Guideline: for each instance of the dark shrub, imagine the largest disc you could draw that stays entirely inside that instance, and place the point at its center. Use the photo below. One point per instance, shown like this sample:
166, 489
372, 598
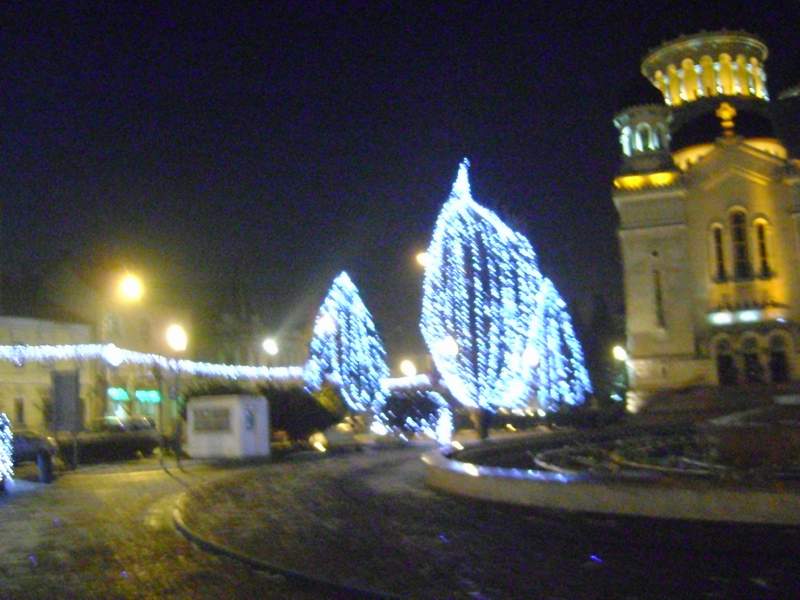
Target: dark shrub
217, 388
297, 412
416, 405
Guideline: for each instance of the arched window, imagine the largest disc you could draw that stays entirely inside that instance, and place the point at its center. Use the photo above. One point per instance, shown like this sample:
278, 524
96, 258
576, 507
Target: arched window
742, 269
644, 137
778, 363
764, 269
727, 373
662, 135
625, 140
753, 370
718, 254
655, 143
638, 140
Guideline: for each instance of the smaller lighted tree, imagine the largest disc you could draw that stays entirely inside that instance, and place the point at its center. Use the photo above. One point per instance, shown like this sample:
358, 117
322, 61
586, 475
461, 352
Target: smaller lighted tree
6, 449
346, 350
561, 375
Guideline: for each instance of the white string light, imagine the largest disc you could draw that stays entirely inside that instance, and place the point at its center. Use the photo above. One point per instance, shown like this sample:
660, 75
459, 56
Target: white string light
496, 329
6, 448
114, 357
561, 375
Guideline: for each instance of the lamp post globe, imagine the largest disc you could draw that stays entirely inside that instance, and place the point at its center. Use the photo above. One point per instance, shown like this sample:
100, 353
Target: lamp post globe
177, 338
408, 368
130, 288
270, 346
619, 353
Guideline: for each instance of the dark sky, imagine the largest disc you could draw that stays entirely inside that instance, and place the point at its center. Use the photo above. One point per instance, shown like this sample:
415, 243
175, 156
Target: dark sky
287, 142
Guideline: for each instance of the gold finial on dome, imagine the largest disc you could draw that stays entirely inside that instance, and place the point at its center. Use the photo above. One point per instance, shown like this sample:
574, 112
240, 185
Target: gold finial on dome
726, 114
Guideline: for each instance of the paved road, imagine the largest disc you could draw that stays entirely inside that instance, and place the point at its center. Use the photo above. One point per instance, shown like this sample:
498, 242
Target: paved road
369, 520
107, 533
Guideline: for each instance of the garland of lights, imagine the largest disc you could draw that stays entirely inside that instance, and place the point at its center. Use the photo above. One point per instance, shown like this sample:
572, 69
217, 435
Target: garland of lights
114, 356
6, 449
561, 377
478, 303
346, 350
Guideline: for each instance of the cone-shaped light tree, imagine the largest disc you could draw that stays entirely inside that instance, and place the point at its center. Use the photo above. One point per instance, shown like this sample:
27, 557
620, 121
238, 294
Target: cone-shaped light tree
561, 375
489, 317
346, 350
478, 303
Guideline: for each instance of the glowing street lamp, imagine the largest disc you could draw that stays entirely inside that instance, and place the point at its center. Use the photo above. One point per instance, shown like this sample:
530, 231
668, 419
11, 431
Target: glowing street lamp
423, 259
408, 368
177, 338
621, 379
270, 346
619, 353
130, 288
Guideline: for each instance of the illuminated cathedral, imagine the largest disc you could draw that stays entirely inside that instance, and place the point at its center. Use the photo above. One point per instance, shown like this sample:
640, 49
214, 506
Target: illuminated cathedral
708, 195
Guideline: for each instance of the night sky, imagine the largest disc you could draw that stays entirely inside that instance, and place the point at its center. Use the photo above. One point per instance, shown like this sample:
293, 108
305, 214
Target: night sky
279, 145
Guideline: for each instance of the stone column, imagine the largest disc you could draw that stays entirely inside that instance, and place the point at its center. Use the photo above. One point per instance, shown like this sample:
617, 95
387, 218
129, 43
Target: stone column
674, 85
689, 80
741, 72
725, 74
708, 80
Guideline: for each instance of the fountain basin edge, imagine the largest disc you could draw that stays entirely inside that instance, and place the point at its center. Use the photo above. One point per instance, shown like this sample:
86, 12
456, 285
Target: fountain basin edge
629, 494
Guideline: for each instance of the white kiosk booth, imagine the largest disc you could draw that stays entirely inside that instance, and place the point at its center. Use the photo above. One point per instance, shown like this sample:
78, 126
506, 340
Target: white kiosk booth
231, 426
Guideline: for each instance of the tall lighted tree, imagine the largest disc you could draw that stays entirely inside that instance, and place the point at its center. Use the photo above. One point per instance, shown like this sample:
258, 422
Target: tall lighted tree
561, 375
478, 303
346, 349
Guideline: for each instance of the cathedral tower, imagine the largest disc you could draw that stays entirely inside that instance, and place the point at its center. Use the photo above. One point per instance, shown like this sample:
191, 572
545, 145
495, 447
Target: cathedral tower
709, 205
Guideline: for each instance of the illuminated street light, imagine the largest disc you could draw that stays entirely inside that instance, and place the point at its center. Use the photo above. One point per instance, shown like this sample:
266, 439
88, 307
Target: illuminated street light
130, 288
408, 368
177, 338
619, 353
423, 259
270, 346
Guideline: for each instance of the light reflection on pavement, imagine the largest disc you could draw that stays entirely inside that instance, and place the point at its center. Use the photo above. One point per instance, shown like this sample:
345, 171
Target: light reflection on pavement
107, 533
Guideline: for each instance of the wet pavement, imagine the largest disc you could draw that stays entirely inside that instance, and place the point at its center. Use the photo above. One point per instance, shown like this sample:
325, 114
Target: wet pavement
106, 532
365, 519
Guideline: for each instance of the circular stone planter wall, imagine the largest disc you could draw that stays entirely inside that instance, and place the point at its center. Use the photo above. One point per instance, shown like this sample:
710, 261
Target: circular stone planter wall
629, 493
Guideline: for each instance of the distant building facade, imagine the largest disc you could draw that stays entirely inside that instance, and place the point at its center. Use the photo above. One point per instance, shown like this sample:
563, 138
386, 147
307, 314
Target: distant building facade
708, 197
26, 389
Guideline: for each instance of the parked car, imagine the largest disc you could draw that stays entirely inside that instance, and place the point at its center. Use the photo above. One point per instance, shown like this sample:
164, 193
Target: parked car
30, 446
111, 438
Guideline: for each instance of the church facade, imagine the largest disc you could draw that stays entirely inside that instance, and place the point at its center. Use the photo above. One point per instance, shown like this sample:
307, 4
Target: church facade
708, 196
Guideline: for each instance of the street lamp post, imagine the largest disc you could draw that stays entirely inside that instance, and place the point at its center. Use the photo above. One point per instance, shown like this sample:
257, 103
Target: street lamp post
621, 382
130, 288
177, 340
408, 368
127, 289
270, 347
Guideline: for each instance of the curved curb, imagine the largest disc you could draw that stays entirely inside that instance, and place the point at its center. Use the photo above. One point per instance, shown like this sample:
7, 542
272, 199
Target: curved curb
334, 589
637, 495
